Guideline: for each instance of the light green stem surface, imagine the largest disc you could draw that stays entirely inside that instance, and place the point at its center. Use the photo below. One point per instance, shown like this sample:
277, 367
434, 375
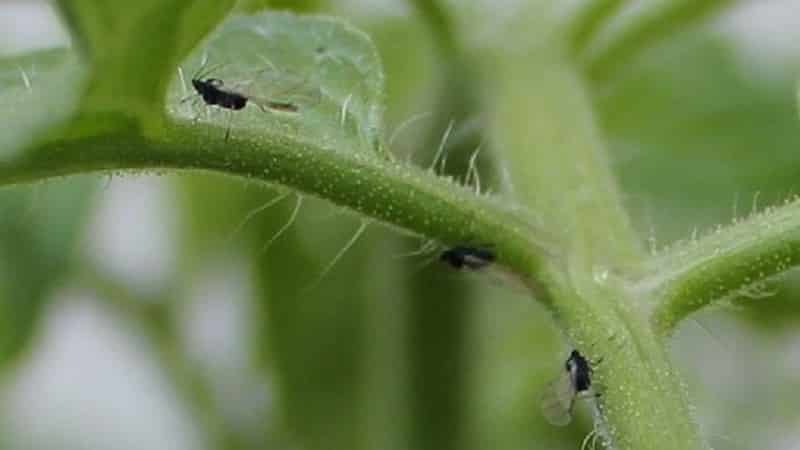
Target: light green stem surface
543, 122
724, 264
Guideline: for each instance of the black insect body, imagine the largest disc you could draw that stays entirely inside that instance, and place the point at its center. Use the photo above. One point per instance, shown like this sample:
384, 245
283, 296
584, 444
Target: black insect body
466, 257
576, 380
214, 94
580, 372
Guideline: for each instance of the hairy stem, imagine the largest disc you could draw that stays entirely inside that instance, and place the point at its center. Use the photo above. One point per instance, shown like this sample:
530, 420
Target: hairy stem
723, 264
543, 122
391, 192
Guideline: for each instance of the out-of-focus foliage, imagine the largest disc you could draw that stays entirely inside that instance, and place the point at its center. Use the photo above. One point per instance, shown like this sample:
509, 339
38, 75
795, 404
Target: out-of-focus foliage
40, 227
701, 139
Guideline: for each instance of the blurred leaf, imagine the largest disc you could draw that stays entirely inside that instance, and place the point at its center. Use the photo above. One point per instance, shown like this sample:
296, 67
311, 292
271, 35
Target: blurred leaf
689, 112
439, 316
133, 48
293, 5
37, 92
314, 335
697, 140
39, 228
119, 82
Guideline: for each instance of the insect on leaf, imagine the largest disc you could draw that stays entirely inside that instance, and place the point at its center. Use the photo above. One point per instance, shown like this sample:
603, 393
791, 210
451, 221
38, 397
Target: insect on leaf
324, 72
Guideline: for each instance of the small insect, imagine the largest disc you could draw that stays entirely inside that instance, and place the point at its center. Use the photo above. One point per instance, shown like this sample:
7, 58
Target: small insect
559, 397
467, 257
214, 92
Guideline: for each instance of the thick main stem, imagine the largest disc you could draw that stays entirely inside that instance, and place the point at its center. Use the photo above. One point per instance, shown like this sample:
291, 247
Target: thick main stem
542, 119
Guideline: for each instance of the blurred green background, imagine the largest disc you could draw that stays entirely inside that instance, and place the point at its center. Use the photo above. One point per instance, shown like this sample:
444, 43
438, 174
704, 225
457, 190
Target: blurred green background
135, 313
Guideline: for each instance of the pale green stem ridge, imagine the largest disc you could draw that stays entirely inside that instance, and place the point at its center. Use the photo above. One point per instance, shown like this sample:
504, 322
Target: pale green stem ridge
729, 262
647, 27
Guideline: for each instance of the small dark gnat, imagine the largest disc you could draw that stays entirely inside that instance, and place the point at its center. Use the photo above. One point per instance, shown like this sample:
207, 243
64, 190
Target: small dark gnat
214, 93
575, 380
467, 257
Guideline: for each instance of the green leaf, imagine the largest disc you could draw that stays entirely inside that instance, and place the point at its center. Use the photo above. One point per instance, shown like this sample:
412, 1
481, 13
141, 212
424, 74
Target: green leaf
133, 47
329, 70
688, 108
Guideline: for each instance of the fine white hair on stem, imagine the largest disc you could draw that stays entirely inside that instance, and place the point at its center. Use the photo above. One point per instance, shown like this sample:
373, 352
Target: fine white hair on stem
754, 206
183, 81
442, 145
591, 437
443, 164
350, 243
473, 176
273, 201
345, 105
505, 175
292, 218
407, 123
25, 79
710, 333
204, 59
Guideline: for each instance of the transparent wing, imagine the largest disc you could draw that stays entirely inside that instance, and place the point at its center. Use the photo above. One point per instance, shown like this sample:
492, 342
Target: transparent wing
558, 399
280, 90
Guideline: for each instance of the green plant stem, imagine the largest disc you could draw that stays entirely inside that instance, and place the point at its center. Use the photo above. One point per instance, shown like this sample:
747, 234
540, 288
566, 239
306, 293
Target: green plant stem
543, 122
724, 264
388, 191
645, 28
438, 331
